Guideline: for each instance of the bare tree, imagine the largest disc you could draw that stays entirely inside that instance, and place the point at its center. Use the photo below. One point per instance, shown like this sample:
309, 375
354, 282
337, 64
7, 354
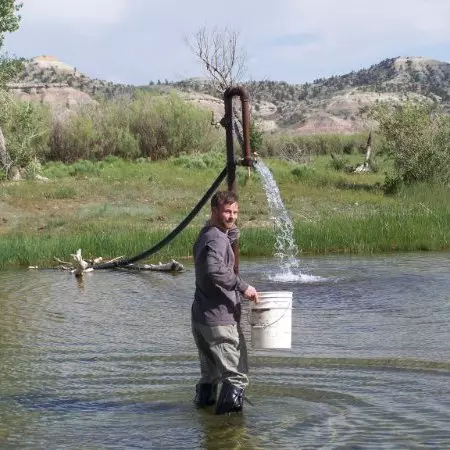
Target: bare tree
224, 62
220, 54
369, 162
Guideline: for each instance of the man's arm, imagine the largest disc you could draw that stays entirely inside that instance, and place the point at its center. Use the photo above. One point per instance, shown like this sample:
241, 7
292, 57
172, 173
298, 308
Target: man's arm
218, 271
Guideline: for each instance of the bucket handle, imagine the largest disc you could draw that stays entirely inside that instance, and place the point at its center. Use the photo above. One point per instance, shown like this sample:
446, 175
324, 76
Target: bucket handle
270, 324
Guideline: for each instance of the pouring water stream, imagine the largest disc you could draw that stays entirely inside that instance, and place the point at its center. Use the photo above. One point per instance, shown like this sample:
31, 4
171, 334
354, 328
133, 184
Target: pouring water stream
286, 250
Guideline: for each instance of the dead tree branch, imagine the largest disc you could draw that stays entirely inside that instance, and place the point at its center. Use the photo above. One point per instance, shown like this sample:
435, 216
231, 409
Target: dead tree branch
220, 55
369, 162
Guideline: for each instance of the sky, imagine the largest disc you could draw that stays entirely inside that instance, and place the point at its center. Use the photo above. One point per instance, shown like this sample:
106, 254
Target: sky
297, 41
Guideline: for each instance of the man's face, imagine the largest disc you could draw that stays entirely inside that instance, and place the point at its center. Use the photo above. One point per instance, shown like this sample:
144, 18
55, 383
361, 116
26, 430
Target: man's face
225, 215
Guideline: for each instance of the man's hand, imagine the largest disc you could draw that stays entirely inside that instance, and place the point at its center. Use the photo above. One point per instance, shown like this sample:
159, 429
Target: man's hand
251, 294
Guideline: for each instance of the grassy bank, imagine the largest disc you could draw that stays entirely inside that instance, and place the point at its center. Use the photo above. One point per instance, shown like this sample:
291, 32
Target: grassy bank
112, 208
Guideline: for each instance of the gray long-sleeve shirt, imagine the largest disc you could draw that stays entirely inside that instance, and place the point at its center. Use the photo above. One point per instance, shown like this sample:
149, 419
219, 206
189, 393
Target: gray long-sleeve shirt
216, 301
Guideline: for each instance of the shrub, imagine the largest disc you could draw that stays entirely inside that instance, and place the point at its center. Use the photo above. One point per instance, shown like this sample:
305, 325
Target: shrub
339, 163
26, 127
147, 126
392, 185
56, 170
168, 126
94, 133
256, 137
83, 167
417, 137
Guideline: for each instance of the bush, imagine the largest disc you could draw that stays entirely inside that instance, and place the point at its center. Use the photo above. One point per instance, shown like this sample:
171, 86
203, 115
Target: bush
147, 126
256, 137
168, 126
94, 133
417, 137
84, 168
56, 170
26, 127
339, 163
392, 185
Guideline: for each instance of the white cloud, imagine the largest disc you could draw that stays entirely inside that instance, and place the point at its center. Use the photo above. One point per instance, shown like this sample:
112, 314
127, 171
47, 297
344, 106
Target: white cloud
292, 40
373, 21
76, 12
351, 34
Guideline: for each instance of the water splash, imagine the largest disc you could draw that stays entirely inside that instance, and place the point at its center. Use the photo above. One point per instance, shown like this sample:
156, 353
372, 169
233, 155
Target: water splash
288, 277
286, 250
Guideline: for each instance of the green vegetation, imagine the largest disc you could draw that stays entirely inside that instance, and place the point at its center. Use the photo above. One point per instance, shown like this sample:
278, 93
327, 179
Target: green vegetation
26, 127
417, 140
116, 207
303, 148
9, 22
124, 172
126, 169
147, 126
421, 76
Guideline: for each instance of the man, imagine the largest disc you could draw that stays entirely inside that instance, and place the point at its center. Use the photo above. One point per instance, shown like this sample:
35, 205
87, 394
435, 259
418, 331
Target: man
216, 310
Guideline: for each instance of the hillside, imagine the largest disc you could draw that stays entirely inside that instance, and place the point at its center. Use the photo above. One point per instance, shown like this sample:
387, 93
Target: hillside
48, 80
338, 103
327, 105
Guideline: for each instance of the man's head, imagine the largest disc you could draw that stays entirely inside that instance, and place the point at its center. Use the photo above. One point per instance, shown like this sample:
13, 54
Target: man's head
224, 209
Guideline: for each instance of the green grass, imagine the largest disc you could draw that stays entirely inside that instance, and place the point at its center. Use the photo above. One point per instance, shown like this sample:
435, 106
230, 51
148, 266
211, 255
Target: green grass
113, 208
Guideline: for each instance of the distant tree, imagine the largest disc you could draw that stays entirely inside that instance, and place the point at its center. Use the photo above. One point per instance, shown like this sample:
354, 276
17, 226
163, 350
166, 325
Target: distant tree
223, 60
9, 19
220, 54
417, 137
9, 22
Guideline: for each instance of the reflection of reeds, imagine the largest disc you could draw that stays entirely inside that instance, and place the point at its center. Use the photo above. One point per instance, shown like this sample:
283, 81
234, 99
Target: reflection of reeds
114, 207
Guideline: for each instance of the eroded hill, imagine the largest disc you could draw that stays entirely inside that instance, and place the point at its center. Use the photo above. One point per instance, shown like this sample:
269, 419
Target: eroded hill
327, 105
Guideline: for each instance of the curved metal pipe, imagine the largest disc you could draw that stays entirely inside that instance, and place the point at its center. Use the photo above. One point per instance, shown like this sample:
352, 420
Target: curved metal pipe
231, 162
228, 124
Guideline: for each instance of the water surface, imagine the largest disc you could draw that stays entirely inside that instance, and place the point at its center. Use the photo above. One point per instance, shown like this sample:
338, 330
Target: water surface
109, 362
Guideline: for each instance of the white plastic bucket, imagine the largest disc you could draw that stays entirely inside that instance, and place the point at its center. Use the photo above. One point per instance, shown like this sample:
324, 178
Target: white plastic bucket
271, 320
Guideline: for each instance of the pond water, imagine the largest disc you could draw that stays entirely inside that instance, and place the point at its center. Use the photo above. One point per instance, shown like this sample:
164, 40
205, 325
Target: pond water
109, 362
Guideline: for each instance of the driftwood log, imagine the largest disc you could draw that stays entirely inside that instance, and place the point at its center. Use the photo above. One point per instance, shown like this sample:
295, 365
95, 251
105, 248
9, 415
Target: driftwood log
81, 266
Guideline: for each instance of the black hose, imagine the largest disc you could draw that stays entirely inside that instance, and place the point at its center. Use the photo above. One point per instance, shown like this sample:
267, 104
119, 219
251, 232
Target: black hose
172, 234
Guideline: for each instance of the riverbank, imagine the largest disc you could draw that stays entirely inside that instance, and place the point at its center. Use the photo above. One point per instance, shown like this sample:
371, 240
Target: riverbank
113, 208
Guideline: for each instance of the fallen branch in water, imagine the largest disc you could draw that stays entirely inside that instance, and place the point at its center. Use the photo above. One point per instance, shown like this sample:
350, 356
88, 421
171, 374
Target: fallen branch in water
81, 266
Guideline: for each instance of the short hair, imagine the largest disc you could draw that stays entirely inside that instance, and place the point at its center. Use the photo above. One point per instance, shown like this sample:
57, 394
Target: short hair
223, 198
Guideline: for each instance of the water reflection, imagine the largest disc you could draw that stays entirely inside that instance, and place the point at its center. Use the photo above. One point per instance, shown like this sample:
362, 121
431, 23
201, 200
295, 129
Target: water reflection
230, 432
110, 363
